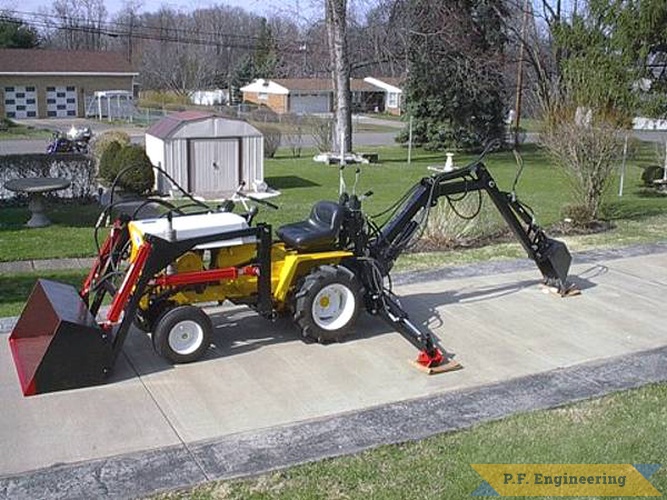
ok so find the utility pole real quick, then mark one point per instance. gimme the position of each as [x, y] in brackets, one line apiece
[519, 76]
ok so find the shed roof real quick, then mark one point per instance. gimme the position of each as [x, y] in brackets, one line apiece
[170, 123]
[172, 126]
[35, 61]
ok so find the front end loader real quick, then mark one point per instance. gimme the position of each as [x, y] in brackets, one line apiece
[323, 271]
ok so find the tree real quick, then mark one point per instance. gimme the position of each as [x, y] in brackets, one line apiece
[455, 90]
[265, 59]
[15, 34]
[336, 22]
[596, 96]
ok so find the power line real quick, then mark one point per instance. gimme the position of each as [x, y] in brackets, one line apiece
[118, 29]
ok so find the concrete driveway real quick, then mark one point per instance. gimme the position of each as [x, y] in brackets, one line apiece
[264, 399]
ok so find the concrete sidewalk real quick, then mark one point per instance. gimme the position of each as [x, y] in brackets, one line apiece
[264, 399]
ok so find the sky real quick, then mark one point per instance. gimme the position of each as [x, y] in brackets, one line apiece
[261, 7]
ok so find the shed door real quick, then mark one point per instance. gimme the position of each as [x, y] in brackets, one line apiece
[215, 165]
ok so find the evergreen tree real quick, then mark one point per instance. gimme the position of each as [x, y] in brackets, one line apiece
[265, 59]
[15, 34]
[454, 87]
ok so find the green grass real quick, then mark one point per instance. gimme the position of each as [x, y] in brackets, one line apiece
[15, 288]
[22, 132]
[71, 234]
[627, 427]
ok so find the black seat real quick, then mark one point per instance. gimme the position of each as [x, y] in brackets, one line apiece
[318, 233]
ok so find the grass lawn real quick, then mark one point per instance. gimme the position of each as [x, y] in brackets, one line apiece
[15, 288]
[11, 130]
[628, 427]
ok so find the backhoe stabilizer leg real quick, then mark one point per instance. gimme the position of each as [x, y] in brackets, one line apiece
[430, 357]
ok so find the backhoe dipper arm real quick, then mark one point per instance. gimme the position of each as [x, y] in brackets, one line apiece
[551, 256]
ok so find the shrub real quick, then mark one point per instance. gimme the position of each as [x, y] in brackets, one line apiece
[102, 141]
[586, 152]
[322, 130]
[272, 136]
[109, 161]
[77, 168]
[580, 215]
[446, 228]
[652, 173]
[135, 169]
[294, 134]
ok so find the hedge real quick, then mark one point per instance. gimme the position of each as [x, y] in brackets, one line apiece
[79, 169]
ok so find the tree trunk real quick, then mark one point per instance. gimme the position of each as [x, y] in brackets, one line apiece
[337, 36]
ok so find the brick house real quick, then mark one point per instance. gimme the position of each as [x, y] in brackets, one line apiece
[36, 83]
[315, 95]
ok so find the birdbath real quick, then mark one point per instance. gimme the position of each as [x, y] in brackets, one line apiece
[35, 188]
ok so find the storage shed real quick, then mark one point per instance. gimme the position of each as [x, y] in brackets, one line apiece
[206, 154]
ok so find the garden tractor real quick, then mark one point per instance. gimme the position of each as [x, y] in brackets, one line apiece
[322, 272]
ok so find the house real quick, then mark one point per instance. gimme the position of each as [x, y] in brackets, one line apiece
[393, 94]
[208, 155]
[36, 83]
[316, 95]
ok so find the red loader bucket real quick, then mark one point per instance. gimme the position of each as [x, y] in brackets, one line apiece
[56, 343]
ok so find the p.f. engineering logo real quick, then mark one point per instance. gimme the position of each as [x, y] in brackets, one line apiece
[565, 480]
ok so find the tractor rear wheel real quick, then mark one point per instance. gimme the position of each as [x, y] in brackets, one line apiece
[327, 303]
[182, 334]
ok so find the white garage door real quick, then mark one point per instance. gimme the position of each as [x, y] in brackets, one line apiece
[309, 103]
[20, 102]
[60, 101]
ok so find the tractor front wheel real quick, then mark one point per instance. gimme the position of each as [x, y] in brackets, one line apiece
[182, 334]
[327, 303]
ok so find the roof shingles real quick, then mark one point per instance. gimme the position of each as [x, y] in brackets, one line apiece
[17, 61]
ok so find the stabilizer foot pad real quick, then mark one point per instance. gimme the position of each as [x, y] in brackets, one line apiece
[451, 366]
[572, 291]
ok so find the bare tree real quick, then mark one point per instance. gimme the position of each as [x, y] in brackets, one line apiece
[336, 16]
[77, 25]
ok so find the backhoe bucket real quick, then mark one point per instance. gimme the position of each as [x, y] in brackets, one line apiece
[57, 344]
[555, 264]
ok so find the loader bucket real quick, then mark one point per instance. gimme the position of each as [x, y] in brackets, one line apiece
[555, 263]
[56, 343]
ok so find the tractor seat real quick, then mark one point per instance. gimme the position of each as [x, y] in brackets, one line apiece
[318, 233]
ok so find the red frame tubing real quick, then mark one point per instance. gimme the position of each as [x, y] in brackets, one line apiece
[101, 259]
[120, 299]
[207, 276]
[430, 360]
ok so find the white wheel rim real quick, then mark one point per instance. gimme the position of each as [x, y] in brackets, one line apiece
[333, 307]
[186, 337]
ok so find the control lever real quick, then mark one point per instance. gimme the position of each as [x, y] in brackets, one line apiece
[357, 172]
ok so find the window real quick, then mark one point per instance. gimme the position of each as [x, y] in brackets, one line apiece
[392, 100]
[50, 89]
[263, 96]
[32, 114]
[70, 89]
[10, 101]
[30, 89]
